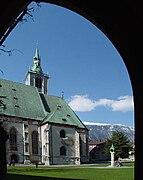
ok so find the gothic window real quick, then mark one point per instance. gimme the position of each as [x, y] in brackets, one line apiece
[38, 82]
[13, 139]
[80, 143]
[62, 133]
[63, 151]
[35, 142]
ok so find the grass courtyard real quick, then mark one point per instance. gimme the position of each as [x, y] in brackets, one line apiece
[84, 172]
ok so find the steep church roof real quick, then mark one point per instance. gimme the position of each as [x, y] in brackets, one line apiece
[21, 100]
[26, 102]
[59, 111]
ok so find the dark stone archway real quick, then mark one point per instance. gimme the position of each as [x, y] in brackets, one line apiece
[14, 157]
[3, 162]
[121, 22]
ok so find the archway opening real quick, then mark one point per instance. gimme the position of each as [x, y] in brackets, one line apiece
[14, 158]
[126, 50]
[114, 104]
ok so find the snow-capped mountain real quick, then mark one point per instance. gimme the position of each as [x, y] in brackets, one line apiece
[100, 132]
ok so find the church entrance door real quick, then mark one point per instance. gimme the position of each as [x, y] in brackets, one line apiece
[14, 157]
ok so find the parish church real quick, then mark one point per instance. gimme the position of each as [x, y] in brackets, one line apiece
[41, 128]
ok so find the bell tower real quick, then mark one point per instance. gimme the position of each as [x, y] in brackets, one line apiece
[35, 76]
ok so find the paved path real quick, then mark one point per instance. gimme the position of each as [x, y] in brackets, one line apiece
[81, 166]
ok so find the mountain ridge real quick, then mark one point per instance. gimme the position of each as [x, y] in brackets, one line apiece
[102, 131]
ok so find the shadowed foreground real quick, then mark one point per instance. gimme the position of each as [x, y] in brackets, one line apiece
[27, 177]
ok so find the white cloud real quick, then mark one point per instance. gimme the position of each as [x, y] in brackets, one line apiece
[124, 104]
[83, 103]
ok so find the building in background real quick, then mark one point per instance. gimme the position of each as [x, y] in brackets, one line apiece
[41, 128]
[95, 151]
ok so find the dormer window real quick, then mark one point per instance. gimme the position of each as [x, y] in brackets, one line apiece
[15, 98]
[13, 89]
[58, 107]
[64, 119]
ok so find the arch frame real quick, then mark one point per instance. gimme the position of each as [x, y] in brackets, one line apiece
[121, 23]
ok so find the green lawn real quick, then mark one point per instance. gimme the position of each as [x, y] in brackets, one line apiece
[90, 172]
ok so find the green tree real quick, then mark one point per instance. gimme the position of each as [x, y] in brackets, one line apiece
[121, 144]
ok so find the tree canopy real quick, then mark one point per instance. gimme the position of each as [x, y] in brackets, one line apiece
[121, 144]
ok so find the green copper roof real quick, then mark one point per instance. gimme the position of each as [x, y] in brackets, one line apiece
[36, 63]
[37, 54]
[36, 68]
[60, 112]
[19, 100]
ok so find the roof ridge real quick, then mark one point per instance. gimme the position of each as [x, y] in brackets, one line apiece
[19, 83]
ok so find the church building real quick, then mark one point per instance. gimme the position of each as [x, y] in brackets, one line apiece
[41, 128]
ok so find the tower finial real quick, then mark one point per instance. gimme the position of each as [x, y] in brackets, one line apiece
[62, 94]
[37, 44]
[37, 57]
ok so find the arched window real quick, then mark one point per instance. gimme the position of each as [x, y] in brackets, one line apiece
[35, 142]
[63, 151]
[13, 139]
[80, 145]
[62, 133]
[38, 82]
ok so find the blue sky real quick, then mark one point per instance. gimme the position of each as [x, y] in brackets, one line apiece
[80, 60]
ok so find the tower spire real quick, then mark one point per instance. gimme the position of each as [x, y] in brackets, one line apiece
[37, 54]
[35, 76]
[37, 62]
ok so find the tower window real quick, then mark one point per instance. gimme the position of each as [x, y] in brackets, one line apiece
[38, 82]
